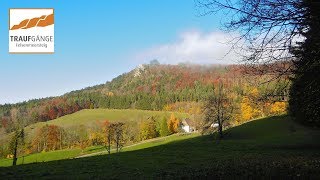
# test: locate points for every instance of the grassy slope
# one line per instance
(268, 148)
(44, 157)
(89, 116)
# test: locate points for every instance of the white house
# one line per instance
(188, 126)
(214, 125)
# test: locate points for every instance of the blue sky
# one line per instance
(96, 41)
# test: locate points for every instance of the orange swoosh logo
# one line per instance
(42, 21)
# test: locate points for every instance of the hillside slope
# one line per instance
(147, 87)
(265, 148)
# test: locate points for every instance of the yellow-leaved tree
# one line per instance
(246, 109)
(278, 108)
(173, 124)
(250, 107)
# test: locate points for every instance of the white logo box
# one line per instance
(31, 31)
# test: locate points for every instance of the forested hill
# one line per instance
(148, 87)
(170, 83)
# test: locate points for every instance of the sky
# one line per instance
(96, 41)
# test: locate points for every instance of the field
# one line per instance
(90, 116)
(273, 147)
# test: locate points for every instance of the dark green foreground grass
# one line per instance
(268, 148)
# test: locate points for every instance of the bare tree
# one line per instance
(267, 28)
(109, 134)
(218, 109)
(266, 31)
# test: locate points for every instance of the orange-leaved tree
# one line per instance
(173, 124)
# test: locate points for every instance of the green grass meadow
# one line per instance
(269, 148)
(43, 157)
(88, 117)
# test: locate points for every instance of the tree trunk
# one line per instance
(220, 131)
(109, 144)
(15, 153)
(117, 144)
(60, 139)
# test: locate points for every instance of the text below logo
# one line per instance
(31, 31)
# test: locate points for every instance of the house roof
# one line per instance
(188, 122)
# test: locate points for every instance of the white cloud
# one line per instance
(193, 47)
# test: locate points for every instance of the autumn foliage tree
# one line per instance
(173, 124)
(148, 129)
(247, 112)
(254, 105)
(48, 137)
(278, 108)
(250, 107)
(96, 138)
(54, 137)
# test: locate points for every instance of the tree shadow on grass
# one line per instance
(196, 157)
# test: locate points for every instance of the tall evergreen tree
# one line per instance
(305, 90)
